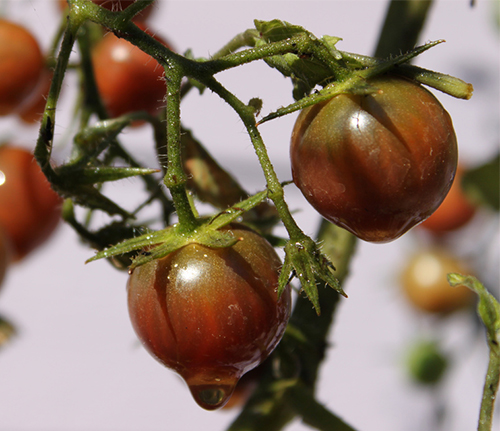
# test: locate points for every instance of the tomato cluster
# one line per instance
(211, 314)
(375, 164)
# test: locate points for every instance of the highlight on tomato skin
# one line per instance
(211, 315)
(29, 209)
(454, 212)
(424, 282)
(127, 78)
(21, 64)
(377, 164)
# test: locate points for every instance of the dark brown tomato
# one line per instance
(378, 164)
(209, 314)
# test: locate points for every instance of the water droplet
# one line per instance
(212, 397)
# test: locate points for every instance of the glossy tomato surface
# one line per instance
(211, 314)
(378, 164)
(127, 78)
(21, 63)
(425, 284)
(29, 209)
(454, 212)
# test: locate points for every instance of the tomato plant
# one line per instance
(128, 79)
(116, 5)
(210, 314)
(375, 164)
(29, 208)
(426, 287)
(454, 212)
(21, 64)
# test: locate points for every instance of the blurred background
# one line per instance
(75, 363)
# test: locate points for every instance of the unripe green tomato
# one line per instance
(376, 164)
(210, 314)
(426, 363)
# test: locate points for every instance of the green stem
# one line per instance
(45, 139)
(402, 26)
(490, 390)
(175, 177)
(275, 189)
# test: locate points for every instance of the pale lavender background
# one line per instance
(76, 365)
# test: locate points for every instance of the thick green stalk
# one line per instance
(402, 26)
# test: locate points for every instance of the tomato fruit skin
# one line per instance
(21, 64)
(29, 209)
(454, 212)
(425, 285)
(378, 164)
(127, 78)
(211, 315)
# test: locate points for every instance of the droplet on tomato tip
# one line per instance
(212, 397)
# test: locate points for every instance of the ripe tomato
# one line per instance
(21, 63)
(378, 164)
(454, 212)
(29, 208)
(127, 78)
(116, 5)
(209, 314)
(425, 284)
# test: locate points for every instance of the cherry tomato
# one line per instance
(209, 314)
(116, 5)
(29, 209)
(425, 284)
(127, 78)
(21, 63)
(427, 363)
(454, 212)
(377, 164)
